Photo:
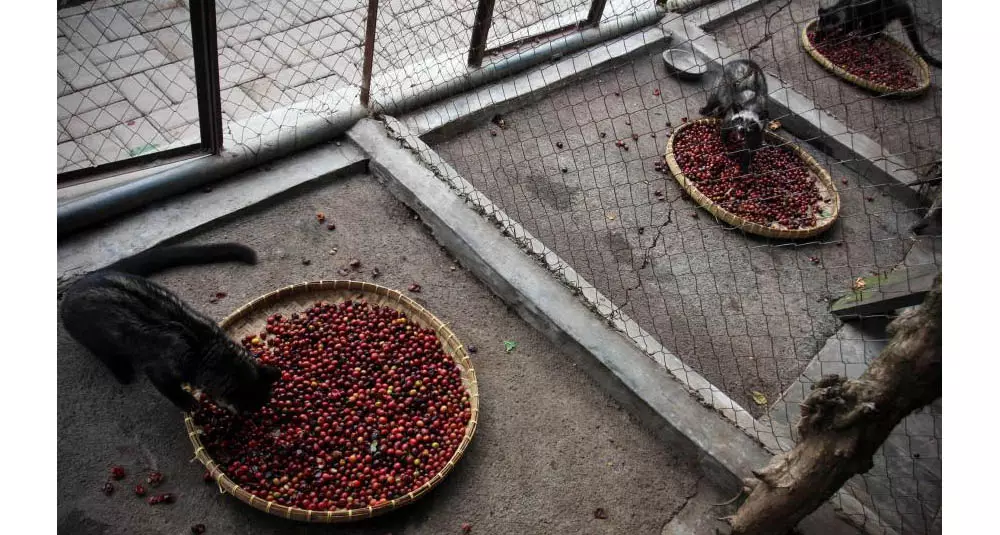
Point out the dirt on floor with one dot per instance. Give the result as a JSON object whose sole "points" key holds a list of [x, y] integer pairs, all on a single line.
{"points": [[550, 448], [907, 128], [745, 312]]}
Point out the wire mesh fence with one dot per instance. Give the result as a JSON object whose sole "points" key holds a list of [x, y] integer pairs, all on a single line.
{"points": [[581, 167], [125, 81]]}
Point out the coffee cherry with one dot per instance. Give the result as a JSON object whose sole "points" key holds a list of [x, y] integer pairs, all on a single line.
{"points": [[117, 473]]}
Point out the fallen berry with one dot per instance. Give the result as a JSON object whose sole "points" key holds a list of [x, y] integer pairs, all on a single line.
{"points": [[220, 295], [635, 137], [331, 226], [415, 288], [320, 217], [869, 198], [198, 529], [604, 135], [160, 498], [207, 477], [117, 473], [108, 489], [355, 263], [140, 490], [600, 513], [154, 478], [656, 92], [559, 144], [375, 273], [473, 349], [493, 133], [684, 119], [843, 181], [466, 527], [306, 261], [564, 170]]}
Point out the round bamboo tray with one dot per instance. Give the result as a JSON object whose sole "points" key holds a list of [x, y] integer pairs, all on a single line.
{"points": [[922, 70], [827, 190], [251, 318]]}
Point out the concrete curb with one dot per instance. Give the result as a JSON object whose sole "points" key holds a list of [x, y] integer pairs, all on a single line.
{"points": [[412, 172]]}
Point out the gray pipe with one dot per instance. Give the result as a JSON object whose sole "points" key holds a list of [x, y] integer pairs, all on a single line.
{"points": [[78, 214]]}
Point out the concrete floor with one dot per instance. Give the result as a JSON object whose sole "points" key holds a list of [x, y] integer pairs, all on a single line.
{"points": [[747, 313], [910, 128], [550, 448]]}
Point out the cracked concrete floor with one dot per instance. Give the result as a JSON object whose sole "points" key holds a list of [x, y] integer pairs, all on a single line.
{"points": [[550, 449]]}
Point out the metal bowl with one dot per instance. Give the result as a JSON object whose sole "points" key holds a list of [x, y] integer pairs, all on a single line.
{"points": [[684, 64]]}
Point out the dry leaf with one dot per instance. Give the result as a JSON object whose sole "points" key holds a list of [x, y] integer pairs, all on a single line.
{"points": [[774, 125], [859, 284], [759, 398], [612, 216]]}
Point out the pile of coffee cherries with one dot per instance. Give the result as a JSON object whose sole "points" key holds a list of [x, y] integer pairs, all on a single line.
{"points": [[368, 408], [778, 189], [874, 60]]}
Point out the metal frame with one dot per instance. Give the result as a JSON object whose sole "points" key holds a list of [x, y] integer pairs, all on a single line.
{"points": [[484, 21], [204, 40], [366, 69]]}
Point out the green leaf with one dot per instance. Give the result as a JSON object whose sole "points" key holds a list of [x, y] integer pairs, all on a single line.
{"points": [[148, 147], [509, 345], [374, 447], [759, 398]]}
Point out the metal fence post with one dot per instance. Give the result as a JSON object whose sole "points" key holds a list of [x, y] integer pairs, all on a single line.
{"points": [[480, 31], [366, 69], [596, 11], [206, 69]]}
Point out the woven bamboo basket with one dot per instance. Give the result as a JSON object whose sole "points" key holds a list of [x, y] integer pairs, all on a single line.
{"points": [[922, 70], [828, 191], [251, 318]]}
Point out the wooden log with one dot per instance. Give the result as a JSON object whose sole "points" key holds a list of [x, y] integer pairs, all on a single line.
{"points": [[844, 422]]}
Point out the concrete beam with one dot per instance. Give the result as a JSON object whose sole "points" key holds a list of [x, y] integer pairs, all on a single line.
{"points": [[127, 235]]}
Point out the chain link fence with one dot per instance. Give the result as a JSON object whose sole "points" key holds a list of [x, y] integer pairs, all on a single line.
{"points": [[581, 168], [125, 81]]}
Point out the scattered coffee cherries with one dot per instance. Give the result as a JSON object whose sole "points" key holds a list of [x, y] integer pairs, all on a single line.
{"points": [[117, 473], [874, 60], [778, 190], [368, 408]]}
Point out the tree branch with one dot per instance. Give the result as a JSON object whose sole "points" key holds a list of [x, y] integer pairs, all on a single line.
{"points": [[844, 422]]}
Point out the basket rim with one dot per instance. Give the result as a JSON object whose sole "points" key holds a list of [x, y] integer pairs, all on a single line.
{"points": [[749, 226], [923, 70], [403, 304]]}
